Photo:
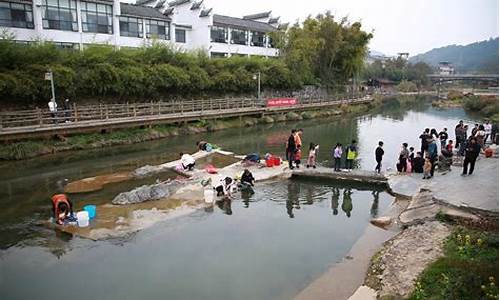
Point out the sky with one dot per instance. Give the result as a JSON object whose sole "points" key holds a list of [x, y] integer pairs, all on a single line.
{"points": [[413, 26]]}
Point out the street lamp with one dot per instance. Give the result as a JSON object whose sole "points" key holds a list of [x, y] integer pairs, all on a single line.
{"points": [[50, 76], [257, 77]]}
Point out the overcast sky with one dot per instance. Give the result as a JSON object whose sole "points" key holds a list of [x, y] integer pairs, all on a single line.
{"points": [[413, 26]]}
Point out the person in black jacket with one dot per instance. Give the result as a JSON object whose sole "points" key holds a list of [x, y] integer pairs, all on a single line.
{"points": [[379, 153], [418, 163], [424, 137], [471, 153], [443, 137], [291, 148]]}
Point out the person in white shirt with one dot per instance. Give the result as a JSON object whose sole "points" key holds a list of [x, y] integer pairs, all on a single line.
{"points": [[187, 161], [53, 110], [487, 129]]}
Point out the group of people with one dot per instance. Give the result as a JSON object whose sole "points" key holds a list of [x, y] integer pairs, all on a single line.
{"points": [[54, 110], [425, 160], [351, 154]]}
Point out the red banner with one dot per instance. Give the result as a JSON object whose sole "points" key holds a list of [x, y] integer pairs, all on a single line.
{"points": [[273, 102]]}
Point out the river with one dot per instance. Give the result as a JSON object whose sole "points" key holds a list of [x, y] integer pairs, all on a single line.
{"points": [[267, 246]]}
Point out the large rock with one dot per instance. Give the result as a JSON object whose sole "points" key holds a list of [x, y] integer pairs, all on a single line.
{"points": [[382, 221], [147, 193]]}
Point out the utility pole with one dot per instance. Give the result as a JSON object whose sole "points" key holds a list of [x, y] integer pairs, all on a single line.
{"points": [[50, 76], [257, 77]]}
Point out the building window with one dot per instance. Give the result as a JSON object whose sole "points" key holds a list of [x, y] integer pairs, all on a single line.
{"points": [[218, 34], [67, 46], [258, 38], [59, 14], [180, 35], [158, 29], [239, 37], [97, 17], [218, 54], [131, 27], [16, 15]]}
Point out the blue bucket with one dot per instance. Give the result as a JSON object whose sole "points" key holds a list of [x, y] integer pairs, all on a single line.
{"points": [[91, 210]]}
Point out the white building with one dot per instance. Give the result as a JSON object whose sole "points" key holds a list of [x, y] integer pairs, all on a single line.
{"points": [[446, 68], [184, 23]]}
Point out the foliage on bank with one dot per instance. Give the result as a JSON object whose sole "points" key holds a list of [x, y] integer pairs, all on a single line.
{"points": [[399, 70], [324, 50], [468, 270], [318, 51], [485, 106]]}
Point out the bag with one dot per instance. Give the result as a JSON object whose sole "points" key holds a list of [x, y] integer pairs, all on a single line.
{"points": [[211, 169]]}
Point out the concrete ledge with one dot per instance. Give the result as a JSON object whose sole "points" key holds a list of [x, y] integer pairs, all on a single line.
{"points": [[354, 175]]}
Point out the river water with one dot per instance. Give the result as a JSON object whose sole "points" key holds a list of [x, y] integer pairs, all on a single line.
{"points": [[266, 246]]}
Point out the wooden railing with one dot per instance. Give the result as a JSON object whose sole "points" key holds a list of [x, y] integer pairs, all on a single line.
{"points": [[130, 111]]}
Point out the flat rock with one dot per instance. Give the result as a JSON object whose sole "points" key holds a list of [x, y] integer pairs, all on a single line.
{"points": [[404, 185], [382, 221], [364, 293], [404, 257]]}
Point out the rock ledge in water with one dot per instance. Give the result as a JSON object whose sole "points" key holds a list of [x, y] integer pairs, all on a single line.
{"points": [[147, 193]]}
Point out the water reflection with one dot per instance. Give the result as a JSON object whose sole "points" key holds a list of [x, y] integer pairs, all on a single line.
{"points": [[374, 208], [347, 202], [335, 201]]}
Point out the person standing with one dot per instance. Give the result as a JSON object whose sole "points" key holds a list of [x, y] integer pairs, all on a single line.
{"points": [[433, 155], [458, 134], [487, 129], [494, 133], [403, 157], [379, 153], [471, 153], [424, 137], [443, 137], [67, 110], [352, 154], [313, 153], [434, 133], [337, 156], [463, 139], [291, 149], [298, 138], [53, 110], [480, 136], [474, 130]]}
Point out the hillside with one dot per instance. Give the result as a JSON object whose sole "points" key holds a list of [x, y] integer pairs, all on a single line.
{"points": [[480, 57]]}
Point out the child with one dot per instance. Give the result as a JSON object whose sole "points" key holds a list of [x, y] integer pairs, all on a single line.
{"points": [[337, 155], [298, 156], [313, 152], [427, 167]]}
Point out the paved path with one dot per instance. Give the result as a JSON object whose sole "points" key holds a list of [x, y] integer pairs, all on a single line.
{"points": [[478, 191]]}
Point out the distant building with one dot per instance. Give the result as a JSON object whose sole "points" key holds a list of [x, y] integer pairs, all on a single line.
{"points": [[185, 24], [446, 68]]}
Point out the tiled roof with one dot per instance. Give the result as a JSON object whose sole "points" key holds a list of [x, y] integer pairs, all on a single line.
{"points": [[141, 11], [197, 5], [142, 2], [178, 2], [258, 16], [274, 20], [160, 4], [242, 23], [168, 11], [205, 13]]}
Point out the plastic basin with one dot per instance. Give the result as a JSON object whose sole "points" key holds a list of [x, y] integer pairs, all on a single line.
{"points": [[91, 210]]}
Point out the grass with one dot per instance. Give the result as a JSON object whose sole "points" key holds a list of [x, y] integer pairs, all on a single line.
{"points": [[468, 270]]}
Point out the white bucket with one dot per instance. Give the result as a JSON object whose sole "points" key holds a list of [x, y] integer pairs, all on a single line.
{"points": [[209, 195], [83, 218]]}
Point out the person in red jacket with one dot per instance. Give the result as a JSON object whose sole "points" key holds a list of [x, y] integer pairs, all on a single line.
{"points": [[61, 208]]}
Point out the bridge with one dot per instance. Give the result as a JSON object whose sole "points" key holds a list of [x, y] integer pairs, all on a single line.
{"points": [[438, 78], [37, 123]]}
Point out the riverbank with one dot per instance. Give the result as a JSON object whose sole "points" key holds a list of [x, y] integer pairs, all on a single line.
{"points": [[401, 265], [33, 148], [484, 106]]}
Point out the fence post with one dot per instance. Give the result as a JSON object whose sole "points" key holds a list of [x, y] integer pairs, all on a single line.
{"points": [[1, 122], [159, 107], [39, 115], [182, 107], [100, 110], [75, 110], [106, 110], [135, 110]]}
